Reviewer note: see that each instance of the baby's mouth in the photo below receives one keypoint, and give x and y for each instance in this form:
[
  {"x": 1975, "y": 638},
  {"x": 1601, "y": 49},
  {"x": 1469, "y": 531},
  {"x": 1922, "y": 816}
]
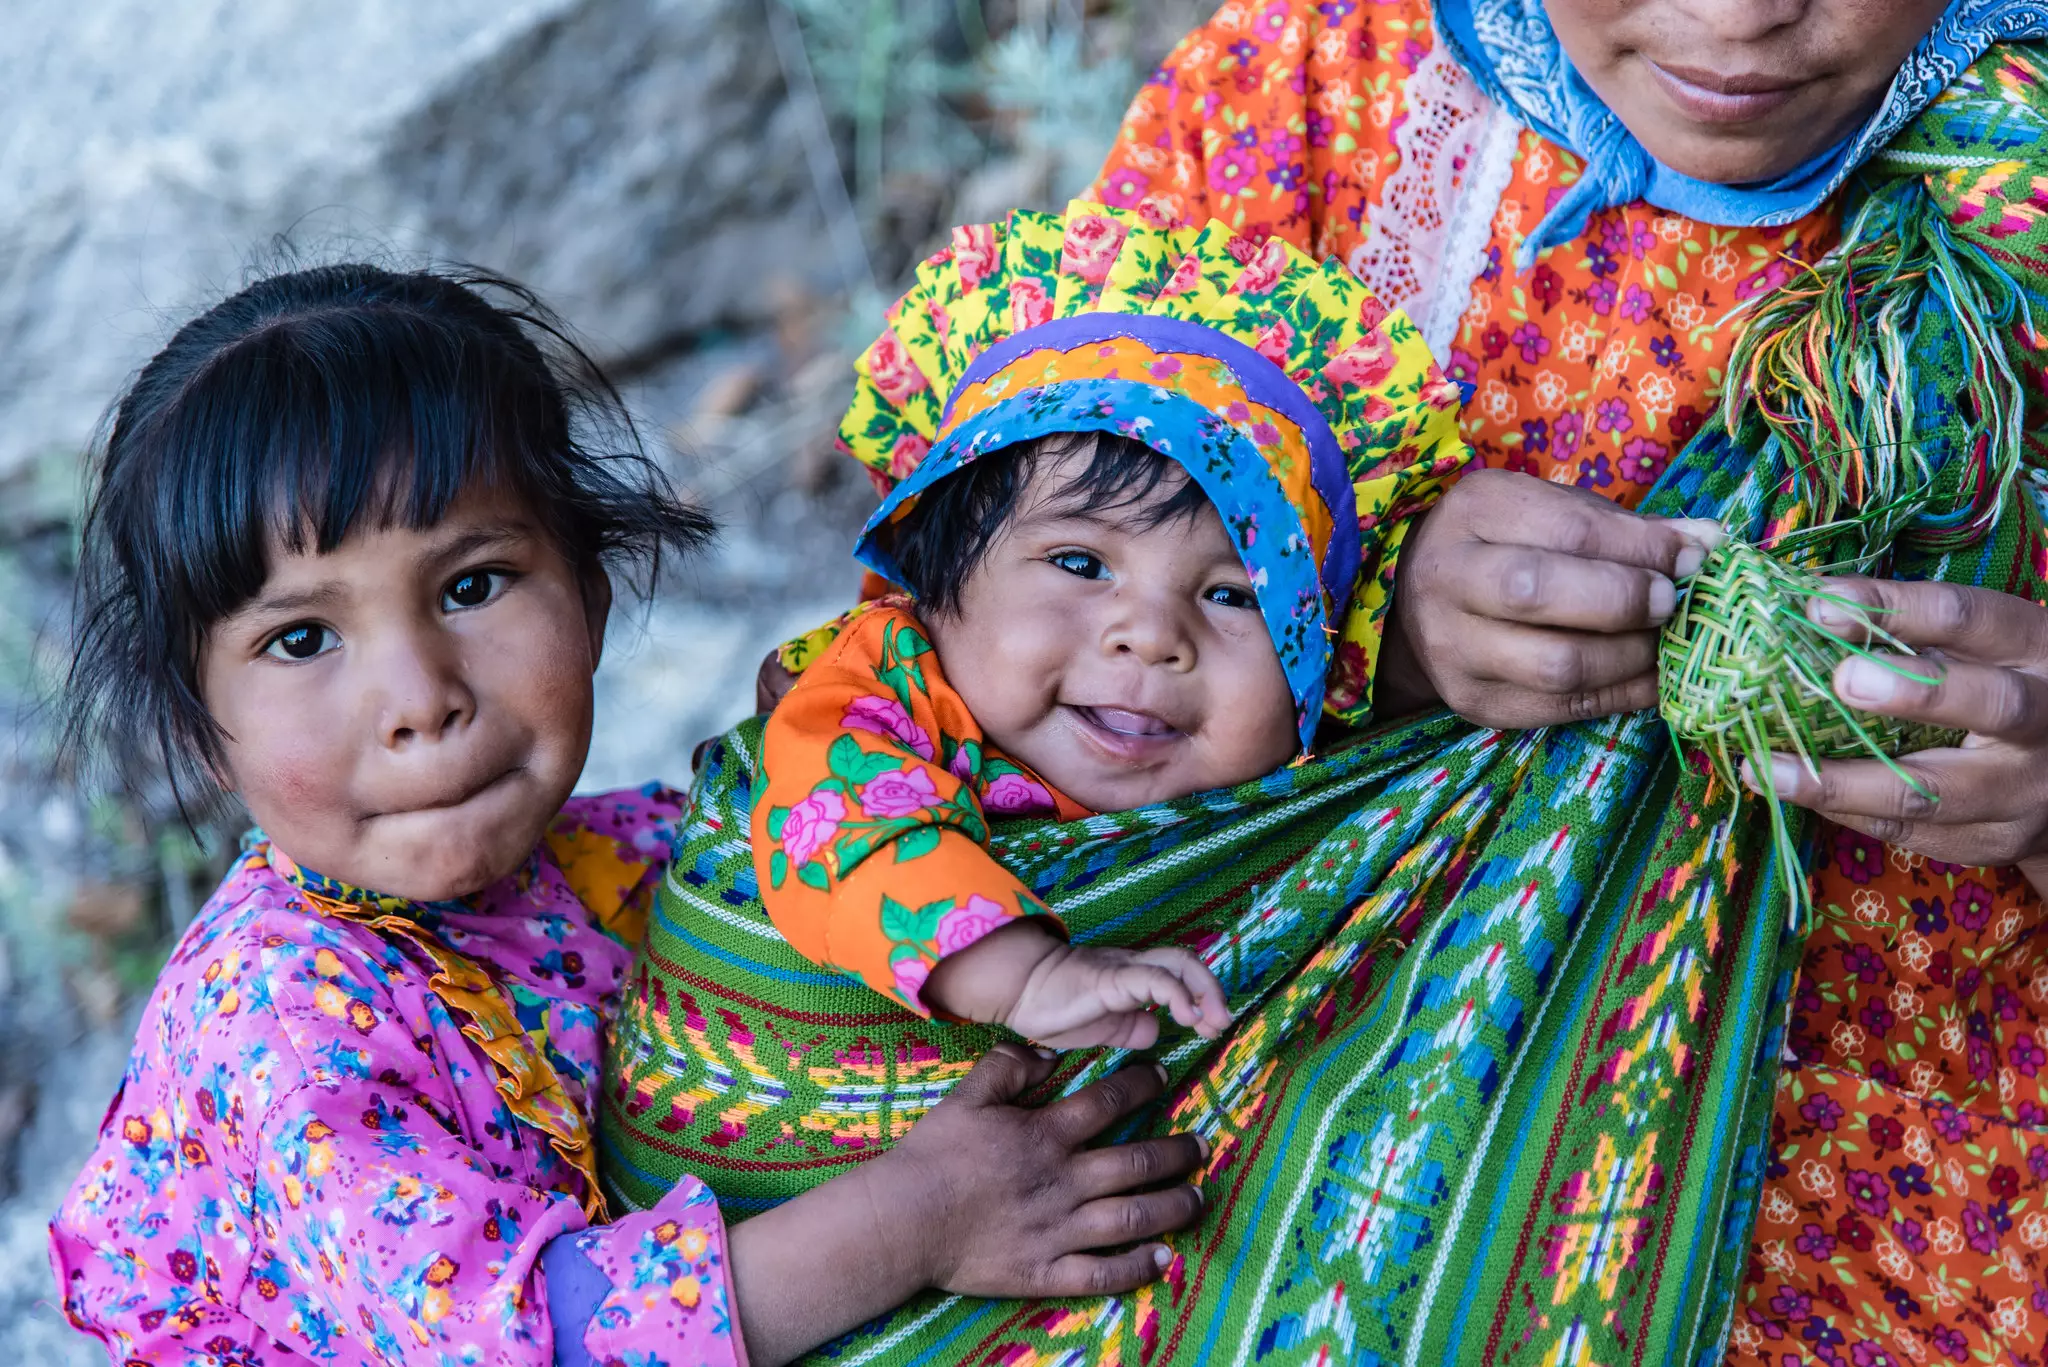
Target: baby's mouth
[{"x": 1126, "y": 733}]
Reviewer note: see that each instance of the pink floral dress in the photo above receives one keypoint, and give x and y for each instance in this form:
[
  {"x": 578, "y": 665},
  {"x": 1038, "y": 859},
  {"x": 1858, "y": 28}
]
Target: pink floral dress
[
  {"x": 870, "y": 829},
  {"x": 357, "y": 1130}
]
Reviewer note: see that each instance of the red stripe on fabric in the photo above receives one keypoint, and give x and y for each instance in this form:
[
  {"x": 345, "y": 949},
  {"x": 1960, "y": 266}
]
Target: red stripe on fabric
[
  {"x": 1539, "y": 1195},
  {"x": 714, "y": 1160},
  {"x": 1739, "y": 895}
]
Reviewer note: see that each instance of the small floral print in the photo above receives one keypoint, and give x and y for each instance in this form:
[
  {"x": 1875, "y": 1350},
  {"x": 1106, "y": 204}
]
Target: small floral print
[
  {"x": 1868, "y": 1192},
  {"x": 1611, "y": 415},
  {"x": 1971, "y": 905},
  {"x": 1859, "y": 858},
  {"x": 1530, "y": 341},
  {"x": 1642, "y": 460},
  {"x": 1821, "y": 1111},
  {"x": 1567, "y": 430}
]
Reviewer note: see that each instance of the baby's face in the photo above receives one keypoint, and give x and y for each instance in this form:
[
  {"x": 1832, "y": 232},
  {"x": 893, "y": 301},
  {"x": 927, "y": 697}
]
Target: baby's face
[
  {"x": 409, "y": 711},
  {"x": 1126, "y": 665}
]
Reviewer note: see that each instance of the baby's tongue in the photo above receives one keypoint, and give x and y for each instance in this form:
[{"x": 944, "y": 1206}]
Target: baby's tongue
[{"x": 1131, "y": 723}]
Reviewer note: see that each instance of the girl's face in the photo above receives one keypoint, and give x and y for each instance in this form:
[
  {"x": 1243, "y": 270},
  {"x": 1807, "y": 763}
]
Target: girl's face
[
  {"x": 1733, "y": 91},
  {"x": 409, "y": 711},
  {"x": 1125, "y": 664}
]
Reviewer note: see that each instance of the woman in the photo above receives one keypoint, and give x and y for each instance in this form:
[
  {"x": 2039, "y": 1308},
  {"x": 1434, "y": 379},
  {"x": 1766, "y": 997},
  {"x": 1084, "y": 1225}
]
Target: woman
[{"x": 1570, "y": 199}]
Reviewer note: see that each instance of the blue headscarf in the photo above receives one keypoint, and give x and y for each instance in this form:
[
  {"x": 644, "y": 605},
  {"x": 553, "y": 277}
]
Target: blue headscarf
[{"x": 1513, "y": 53}]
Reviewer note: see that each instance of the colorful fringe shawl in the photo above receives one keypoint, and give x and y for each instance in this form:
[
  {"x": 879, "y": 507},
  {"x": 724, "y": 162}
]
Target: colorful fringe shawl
[{"x": 1510, "y": 1004}]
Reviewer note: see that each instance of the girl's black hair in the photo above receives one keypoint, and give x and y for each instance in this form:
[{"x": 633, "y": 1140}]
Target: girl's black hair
[
  {"x": 948, "y": 531},
  {"x": 309, "y": 404}
]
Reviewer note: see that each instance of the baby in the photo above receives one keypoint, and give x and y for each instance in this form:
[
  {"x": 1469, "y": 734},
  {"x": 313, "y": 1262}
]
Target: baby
[{"x": 1146, "y": 551}]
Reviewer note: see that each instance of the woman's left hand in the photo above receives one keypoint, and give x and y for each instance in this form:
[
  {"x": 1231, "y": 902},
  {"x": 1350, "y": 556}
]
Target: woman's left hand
[{"x": 1986, "y": 801}]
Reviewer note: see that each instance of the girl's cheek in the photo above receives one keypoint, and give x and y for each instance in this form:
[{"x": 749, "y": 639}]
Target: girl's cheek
[{"x": 291, "y": 770}]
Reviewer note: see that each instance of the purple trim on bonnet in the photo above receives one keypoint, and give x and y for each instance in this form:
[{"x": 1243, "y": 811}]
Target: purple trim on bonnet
[{"x": 1264, "y": 381}]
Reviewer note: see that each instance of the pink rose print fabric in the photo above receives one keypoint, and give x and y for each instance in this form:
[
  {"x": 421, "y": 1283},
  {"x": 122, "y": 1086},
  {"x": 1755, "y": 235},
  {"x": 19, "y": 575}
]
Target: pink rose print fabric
[
  {"x": 870, "y": 828},
  {"x": 311, "y": 1158}
]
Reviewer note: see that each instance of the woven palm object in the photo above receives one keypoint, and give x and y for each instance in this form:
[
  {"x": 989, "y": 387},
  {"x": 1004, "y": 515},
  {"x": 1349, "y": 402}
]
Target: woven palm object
[{"x": 1743, "y": 672}]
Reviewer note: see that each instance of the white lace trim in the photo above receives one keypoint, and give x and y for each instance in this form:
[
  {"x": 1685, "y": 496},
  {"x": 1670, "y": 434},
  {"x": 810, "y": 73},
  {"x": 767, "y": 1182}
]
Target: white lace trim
[{"x": 1434, "y": 218}]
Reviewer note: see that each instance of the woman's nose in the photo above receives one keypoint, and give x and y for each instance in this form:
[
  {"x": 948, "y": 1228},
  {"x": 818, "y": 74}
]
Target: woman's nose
[
  {"x": 1739, "y": 21},
  {"x": 422, "y": 693}
]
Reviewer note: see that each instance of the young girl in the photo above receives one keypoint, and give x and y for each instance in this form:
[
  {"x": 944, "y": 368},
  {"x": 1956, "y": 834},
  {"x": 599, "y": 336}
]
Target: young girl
[
  {"x": 1146, "y": 550},
  {"x": 348, "y": 561}
]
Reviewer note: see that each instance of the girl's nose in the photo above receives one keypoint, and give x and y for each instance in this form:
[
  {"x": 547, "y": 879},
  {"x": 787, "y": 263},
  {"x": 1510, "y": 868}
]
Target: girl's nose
[{"x": 423, "y": 695}]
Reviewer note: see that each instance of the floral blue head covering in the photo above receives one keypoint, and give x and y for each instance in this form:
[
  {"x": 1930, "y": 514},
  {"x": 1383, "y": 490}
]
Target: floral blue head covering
[{"x": 1513, "y": 53}]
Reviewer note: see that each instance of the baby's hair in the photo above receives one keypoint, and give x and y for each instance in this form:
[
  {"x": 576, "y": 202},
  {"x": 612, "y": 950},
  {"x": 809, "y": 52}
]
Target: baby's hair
[
  {"x": 307, "y": 405},
  {"x": 949, "y": 530}
]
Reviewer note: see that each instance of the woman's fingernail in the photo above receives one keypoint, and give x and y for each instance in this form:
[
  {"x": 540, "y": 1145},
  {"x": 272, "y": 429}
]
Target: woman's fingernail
[
  {"x": 1160, "y": 1068},
  {"x": 1865, "y": 681},
  {"x": 1161, "y": 1256},
  {"x": 1663, "y": 598},
  {"x": 1831, "y": 614},
  {"x": 1202, "y": 1144},
  {"x": 1044, "y": 1052},
  {"x": 1784, "y": 774},
  {"x": 1689, "y": 561}
]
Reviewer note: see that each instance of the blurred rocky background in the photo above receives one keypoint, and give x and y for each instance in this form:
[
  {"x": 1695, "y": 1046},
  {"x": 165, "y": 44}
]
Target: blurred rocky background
[{"x": 721, "y": 195}]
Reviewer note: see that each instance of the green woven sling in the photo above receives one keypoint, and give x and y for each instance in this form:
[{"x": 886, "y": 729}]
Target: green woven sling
[{"x": 1510, "y": 1005}]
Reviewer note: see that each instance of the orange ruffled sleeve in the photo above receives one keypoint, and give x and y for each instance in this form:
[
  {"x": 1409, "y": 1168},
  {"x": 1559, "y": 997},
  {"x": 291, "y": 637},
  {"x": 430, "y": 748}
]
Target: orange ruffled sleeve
[{"x": 870, "y": 825}]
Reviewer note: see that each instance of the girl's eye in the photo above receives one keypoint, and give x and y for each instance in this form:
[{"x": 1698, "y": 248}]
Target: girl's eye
[
  {"x": 472, "y": 590},
  {"x": 1232, "y": 596},
  {"x": 301, "y": 642},
  {"x": 1080, "y": 563}
]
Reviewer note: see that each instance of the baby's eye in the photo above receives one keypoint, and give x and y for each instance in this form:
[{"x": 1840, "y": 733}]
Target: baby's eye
[
  {"x": 301, "y": 642},
  {"x": 1232, "y": 596},
  {"x": 472, "y": 589},
  {"x": 1082, "y": 563}
]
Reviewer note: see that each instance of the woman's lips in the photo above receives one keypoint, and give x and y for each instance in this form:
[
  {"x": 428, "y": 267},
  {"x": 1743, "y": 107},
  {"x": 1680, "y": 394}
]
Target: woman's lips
[
  {"x": 1125, "y": 733},
  {"x": 1711, "y": 97}
]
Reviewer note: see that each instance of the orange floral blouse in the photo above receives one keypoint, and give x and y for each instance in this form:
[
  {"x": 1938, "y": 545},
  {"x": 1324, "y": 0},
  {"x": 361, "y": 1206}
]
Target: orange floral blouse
[
  {"x": 1905, "y": 1219},
  {"x": 870, "y": 828}
]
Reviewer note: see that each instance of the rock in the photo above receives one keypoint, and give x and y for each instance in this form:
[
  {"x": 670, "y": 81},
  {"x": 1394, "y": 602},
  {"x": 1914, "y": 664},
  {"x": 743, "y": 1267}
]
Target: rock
[{"x": 634, "y": 160}]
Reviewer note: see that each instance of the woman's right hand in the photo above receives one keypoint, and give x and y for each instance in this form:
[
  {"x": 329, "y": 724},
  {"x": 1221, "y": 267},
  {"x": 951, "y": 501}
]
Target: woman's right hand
[
  {"x": 1518, "y": 603},
  {"x": 982, "y": 1197}
]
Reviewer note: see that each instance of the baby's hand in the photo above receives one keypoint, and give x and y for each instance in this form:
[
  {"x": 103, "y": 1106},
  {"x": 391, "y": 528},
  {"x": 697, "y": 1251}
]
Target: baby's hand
[{"x": 1076, "y": 996}]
